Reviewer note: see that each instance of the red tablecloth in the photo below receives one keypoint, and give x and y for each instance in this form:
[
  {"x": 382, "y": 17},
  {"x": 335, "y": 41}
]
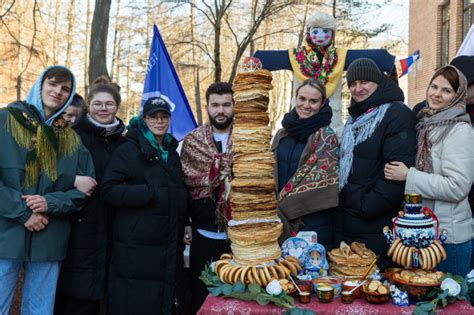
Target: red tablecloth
[{"x": 221, "y": 306}]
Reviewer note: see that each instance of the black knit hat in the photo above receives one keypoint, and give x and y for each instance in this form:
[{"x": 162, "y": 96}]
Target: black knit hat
[
  {"x": 465, "y": 64},
  {"x": 363, "y": 69},
  {"x": 156, "y": 104}
]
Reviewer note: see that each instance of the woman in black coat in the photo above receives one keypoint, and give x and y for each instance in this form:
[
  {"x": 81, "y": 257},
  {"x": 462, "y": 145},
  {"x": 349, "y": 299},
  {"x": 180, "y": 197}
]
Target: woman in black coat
[
  {"x": 144, "y": 184},
  {"x": 82, "y": 280}
]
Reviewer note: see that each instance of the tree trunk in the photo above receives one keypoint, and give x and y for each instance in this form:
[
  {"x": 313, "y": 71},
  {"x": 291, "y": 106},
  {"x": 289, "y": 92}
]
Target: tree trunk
[
  {"x": 55, "y": 32},
  {"x": 303, "y": 26},
  {"x": 197, "y": 85},
  {"x": 98, "y": 43},
  {"x": 86, "y": 48},
  {"x": 217, "y": 52},
  {"x": 70, "y": 27},
  {"x": 115, "y": 47}
]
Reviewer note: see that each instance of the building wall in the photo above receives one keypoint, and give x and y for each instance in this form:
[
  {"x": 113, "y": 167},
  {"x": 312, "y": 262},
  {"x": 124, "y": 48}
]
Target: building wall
[{"x": 425, "y": 35}]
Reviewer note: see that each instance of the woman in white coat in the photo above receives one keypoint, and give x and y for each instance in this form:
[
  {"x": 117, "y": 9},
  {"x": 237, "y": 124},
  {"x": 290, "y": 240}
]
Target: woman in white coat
[{"x": 443, "y": 172}]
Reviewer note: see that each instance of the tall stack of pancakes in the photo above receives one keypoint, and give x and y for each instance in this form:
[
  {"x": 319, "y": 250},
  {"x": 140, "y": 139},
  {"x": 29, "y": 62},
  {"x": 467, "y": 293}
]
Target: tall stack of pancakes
[{"x": 255, "y": 228}]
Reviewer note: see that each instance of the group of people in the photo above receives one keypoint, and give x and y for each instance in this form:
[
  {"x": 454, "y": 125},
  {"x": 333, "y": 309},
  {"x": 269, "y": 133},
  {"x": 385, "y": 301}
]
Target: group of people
[{"x": 98, "y": 215}]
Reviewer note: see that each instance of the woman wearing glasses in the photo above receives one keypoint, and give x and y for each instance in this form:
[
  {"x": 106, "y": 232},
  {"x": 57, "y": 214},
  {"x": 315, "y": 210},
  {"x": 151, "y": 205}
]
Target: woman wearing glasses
[
  {"x": 82, "y": 280},
  {"x": 144, "y": 184}
]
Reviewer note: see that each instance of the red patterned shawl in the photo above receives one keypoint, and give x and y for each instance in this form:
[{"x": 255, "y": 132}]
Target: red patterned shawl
[{"x": 205, "y": 169}]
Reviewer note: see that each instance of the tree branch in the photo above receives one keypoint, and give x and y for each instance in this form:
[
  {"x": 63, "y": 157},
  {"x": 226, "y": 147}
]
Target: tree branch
[{"x": 8, "y": 10}]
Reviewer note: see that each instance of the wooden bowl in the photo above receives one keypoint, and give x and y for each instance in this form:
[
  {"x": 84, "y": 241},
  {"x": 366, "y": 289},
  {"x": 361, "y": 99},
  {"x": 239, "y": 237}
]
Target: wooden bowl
[
  {"x": 389, "y": 272},
  {"x": 415, "y": 291},
  {"x": 375, "y": 297}
]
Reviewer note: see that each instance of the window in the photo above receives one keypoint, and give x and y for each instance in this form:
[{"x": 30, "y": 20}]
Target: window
[
  {"x": 467, "y": 17},
  {"x": 444, "y": 53}
]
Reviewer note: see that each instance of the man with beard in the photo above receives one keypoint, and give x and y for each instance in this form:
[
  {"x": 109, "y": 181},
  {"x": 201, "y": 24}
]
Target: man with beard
[{"x": 206, "y": 157}]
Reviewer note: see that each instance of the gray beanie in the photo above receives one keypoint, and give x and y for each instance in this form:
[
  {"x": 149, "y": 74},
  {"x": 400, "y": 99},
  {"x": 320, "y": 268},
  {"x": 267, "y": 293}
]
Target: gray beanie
[{"x": 363, "y": 69}]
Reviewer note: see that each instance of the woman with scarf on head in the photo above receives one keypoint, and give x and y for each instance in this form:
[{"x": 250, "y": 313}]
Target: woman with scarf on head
[
  {"x": 143, "y": 183},
  {"x": 443, "y": 170},
  {"x": 82, "y": 281},
  {"x": 380, "y": 128},
  {"x": 306, "y": 170}
]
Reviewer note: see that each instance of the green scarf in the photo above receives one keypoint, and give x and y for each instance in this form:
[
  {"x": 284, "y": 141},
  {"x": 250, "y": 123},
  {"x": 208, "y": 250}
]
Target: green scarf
[
  {"x": 139, "y": 123},
  {"x": 44, "y": 143}
]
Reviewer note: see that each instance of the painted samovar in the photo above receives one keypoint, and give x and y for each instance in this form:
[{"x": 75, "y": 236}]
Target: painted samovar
[{"x": 415, "y": 241}]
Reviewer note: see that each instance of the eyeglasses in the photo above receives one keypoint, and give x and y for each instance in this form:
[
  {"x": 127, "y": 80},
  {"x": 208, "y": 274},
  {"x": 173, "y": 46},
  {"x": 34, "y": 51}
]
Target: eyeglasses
[
  {"x": 155, "y": 119},
  {"x": 99, "y": 105}
]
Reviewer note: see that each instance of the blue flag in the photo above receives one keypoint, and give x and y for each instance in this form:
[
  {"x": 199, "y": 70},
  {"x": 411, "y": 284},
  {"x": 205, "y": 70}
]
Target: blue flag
[{"x": 162, "y": 80}]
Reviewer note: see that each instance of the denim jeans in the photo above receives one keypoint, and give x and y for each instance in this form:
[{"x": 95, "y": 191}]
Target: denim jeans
[
  {"x": 459, "y": 258},
  {"x": 39, "y": 285}
]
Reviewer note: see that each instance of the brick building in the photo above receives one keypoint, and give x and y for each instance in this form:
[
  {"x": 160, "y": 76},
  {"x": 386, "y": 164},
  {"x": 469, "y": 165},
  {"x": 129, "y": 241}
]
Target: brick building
[{"x": 437, "y": 28}]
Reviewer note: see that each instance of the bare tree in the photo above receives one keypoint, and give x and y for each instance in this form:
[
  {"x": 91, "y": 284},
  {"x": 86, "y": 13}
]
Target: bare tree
[
  {"x": 86, "y": 47},
  {"x": 268, "y": 9},
  {"x": 115, "y": 46},
  {"x": 98, "y": 43},
  {"x": 70, "y": 27}
]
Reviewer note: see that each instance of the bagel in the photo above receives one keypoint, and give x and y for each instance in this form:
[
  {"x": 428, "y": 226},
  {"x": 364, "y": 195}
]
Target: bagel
[
  {"x": 262, "y": 276},
  {"x": 231, "y": 273},
  {"x": 411, "y": 250},
  {"x": 225, "y": 272},
  {"x": 399, "y": 255},
  {"x": 219, "y": 264},
  {"x": 404, "y": 256},
  {"x": 422, "y": 259},
  {"x": 290, "y": 266},
  {"x": 246, "y": 275},
  {"x": 226, "y": 256},
  {"x": 295, "y": 261},
  {"x": 398, "y": 247},
  {"x": 393, "y": 246},
  {"x": 441, "y": 249},
  {"x": 273, "y": 272},
  {"x": 286, "y": 270},
  {"x": 281, "y": 272},
  {"x": 255, "y": 275},
  {"x": 437, "y": 252},
  {"x": 237, "y": 274},
  {"x": 267, "y": 274},
  {"x": 428, "y": 264},
  {"x": 397, "y": 252},
  {"x": 432, "y": 254}
]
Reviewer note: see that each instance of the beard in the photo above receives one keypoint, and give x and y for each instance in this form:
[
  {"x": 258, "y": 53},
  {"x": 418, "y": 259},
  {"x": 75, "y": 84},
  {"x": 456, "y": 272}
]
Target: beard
[{"x": 221, "y": 125}]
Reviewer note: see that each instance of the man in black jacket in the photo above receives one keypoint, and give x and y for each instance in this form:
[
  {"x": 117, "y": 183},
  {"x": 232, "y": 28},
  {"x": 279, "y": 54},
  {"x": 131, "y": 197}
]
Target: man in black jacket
[
  {"x": 381, "y": 128},
  {"x": 206, "y": 157}
]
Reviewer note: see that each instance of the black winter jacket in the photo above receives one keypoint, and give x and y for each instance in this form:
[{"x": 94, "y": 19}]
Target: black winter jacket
[
  {"x": 368, "y": 201},
  {"x": 150, "y": 201},
  {"x": 84, "y": 271}
]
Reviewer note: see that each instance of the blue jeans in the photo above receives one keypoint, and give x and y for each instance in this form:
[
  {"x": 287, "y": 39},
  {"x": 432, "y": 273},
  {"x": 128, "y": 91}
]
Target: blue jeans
[
  {"x": 39, "y": 285},
  {"x": 459, "y": 258}
]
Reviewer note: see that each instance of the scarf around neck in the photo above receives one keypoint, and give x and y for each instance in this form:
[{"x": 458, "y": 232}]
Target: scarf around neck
[
  {"x": 435, "y": 125},
  {"x": 139, "y": 123},
  {"x": 206, "y": 171},
  {"x": 45, "y": 144},
  {"x": 301, "y": 129},
  {"x": 387, "y": 91},
  {"x": 355, "y": 132}
]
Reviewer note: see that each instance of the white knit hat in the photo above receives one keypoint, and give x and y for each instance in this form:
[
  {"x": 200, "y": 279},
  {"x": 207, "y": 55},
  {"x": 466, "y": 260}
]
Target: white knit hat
[{"x": 322, "y": 20}]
